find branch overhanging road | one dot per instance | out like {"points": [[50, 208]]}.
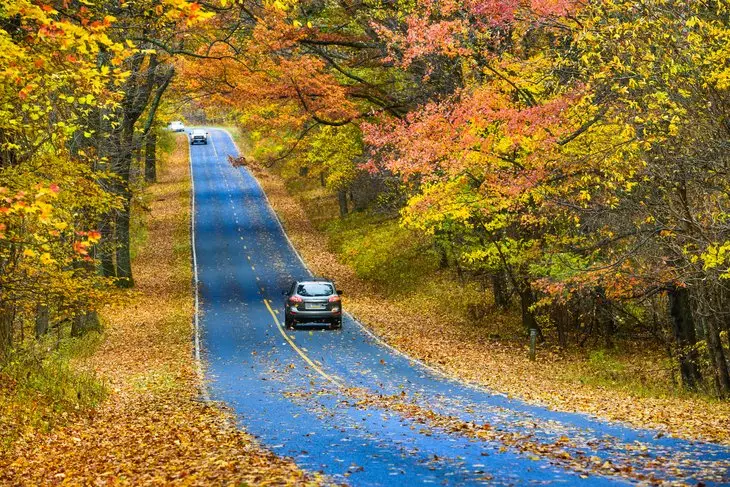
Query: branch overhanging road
{"points": [[342, 403]]}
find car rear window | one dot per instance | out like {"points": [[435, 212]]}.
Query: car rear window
{"points": [[315, 289]]}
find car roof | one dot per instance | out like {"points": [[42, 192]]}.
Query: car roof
{"points": [[316, 280], [198, 131]]}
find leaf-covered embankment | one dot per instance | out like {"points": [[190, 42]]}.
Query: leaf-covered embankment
{"points": [[460, 347], [152, 428]]}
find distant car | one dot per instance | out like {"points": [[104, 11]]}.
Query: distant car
{"points": [[198, 136], [177, 126], [313, 300]]}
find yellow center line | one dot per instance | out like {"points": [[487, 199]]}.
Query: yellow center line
{"points": [[299, 350]]}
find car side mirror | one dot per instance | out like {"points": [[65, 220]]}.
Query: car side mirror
{"points": [[339, 292]]}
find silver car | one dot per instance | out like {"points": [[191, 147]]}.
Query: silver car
{"points": [[176, 126], [198, 136], [313, 300]]}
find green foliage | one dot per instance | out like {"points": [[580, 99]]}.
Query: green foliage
{"points": [[383, 251], [335, 151]]}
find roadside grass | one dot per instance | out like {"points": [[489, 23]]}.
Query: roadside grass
{"points": [[146, 424], [40, 388], [383, 252], [392, 284]]}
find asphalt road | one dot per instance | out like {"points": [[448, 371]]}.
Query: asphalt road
{"points": [[333, 400]]}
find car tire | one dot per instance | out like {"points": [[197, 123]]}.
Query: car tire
{"points": [[288, 323], [336, 324]]}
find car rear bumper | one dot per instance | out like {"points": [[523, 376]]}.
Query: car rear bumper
{"points": [[314, 315]]}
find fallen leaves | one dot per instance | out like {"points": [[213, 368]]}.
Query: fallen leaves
{"points": [[584, 451], [153, 429]]}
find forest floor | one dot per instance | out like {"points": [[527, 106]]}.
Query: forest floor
{"points": [[152, 428], [635, 388]]}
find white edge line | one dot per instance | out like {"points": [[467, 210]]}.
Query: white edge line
{"points": [[372, 335], [196, 317], [215, 151]]}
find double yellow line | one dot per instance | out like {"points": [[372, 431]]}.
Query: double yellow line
{"points": [[301, 353]]}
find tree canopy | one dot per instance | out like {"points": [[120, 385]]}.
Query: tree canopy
{"points": [[575, 152]]}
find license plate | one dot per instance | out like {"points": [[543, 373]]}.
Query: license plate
{"points": [[315, 306]]}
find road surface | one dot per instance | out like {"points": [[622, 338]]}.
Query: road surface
{"points": [[342, 403]]}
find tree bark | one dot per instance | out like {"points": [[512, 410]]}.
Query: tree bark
{"points": [[683, 329], [560, 315], [527, 299], [41, 320], [150, 157], [717, 355], [136, 97], [7, 316], [342, 200], [84, 322], [605, 317], [123, 249], [499, 290], [105, 251]]}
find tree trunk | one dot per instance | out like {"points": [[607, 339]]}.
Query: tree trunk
{"points": [[106, 249], [92, 321], [84, 322], [683, 329], [443, 255], [499, 290], [137, 92], [77, 324], [717, 356], [527, 299], [560, 315], [122, 165], [342, 200], [605, 317], [7, 316], [41, 320], [150, 157], [123, 250]]}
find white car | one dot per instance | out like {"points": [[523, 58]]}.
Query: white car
{"points": [[177, 126], [198, 136]]}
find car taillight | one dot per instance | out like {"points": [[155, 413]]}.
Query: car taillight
{"points": [[334, 299], [296, 299]]}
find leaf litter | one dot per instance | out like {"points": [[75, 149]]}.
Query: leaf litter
{"points": [[153, 429]]}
